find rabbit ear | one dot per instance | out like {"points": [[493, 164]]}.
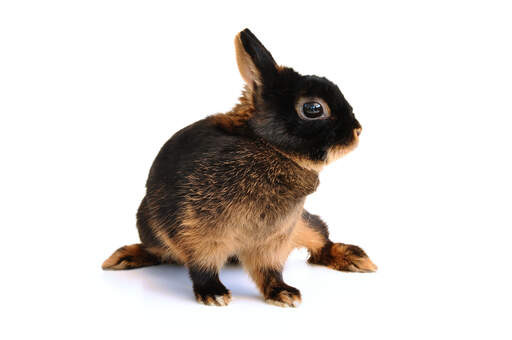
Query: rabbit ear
{"points": [[255, 62]]}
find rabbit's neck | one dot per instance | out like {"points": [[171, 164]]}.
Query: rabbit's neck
{"points": [[303, 162]]}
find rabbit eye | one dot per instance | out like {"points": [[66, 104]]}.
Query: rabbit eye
{"points": [[312, 108]]}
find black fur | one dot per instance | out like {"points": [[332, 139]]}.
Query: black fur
{"points": [[178, 158], [316, 223], [273, 285], [260, 55], [276, 119], [206, 283]]}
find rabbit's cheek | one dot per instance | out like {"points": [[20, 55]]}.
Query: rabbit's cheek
{"points": [[338, 151]]}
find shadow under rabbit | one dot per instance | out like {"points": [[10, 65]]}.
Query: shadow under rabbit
{"points": [[173, 280]]}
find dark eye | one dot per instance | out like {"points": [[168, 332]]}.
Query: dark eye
{"points": [[312, 109]]}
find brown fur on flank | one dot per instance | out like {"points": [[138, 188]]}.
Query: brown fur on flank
{"points": [[232, 187]]}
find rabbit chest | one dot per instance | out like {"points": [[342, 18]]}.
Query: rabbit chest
{"points": [[247, 192]]}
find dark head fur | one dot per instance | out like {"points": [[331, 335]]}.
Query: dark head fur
{"points": [[269, 107]]}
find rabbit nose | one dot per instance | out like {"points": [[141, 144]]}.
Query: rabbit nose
{"points": [[358, 131]]}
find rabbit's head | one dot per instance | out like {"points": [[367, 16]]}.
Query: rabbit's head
{"points": [[306, 117]]}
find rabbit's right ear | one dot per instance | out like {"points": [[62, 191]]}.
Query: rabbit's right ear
{"points": [[255, 62]]}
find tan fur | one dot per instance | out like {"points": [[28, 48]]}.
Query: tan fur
{"points": [[346, 260], [286, 299], [343, 257], [213, 228], [333, 154], [138, 255], [217, 300], [246, 67], [224, 300], [307, 163], [337, 152], [305, 236], [207, 238], [243, 111], [240, 232], [270, 253], [239, 115], [171, 249]]}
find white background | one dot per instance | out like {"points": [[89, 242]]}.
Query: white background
{"points": [[90, 90]]}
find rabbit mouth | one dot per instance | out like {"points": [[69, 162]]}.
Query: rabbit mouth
{"points": [[337, 151], [333, 153]]}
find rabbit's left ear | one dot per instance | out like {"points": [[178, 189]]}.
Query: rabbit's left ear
{"points": [[255, 62]]}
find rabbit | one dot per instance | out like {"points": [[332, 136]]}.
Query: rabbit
{"points": [[231, 187]]}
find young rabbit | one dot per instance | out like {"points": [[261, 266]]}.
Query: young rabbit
{"points": [[231, 187]]}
